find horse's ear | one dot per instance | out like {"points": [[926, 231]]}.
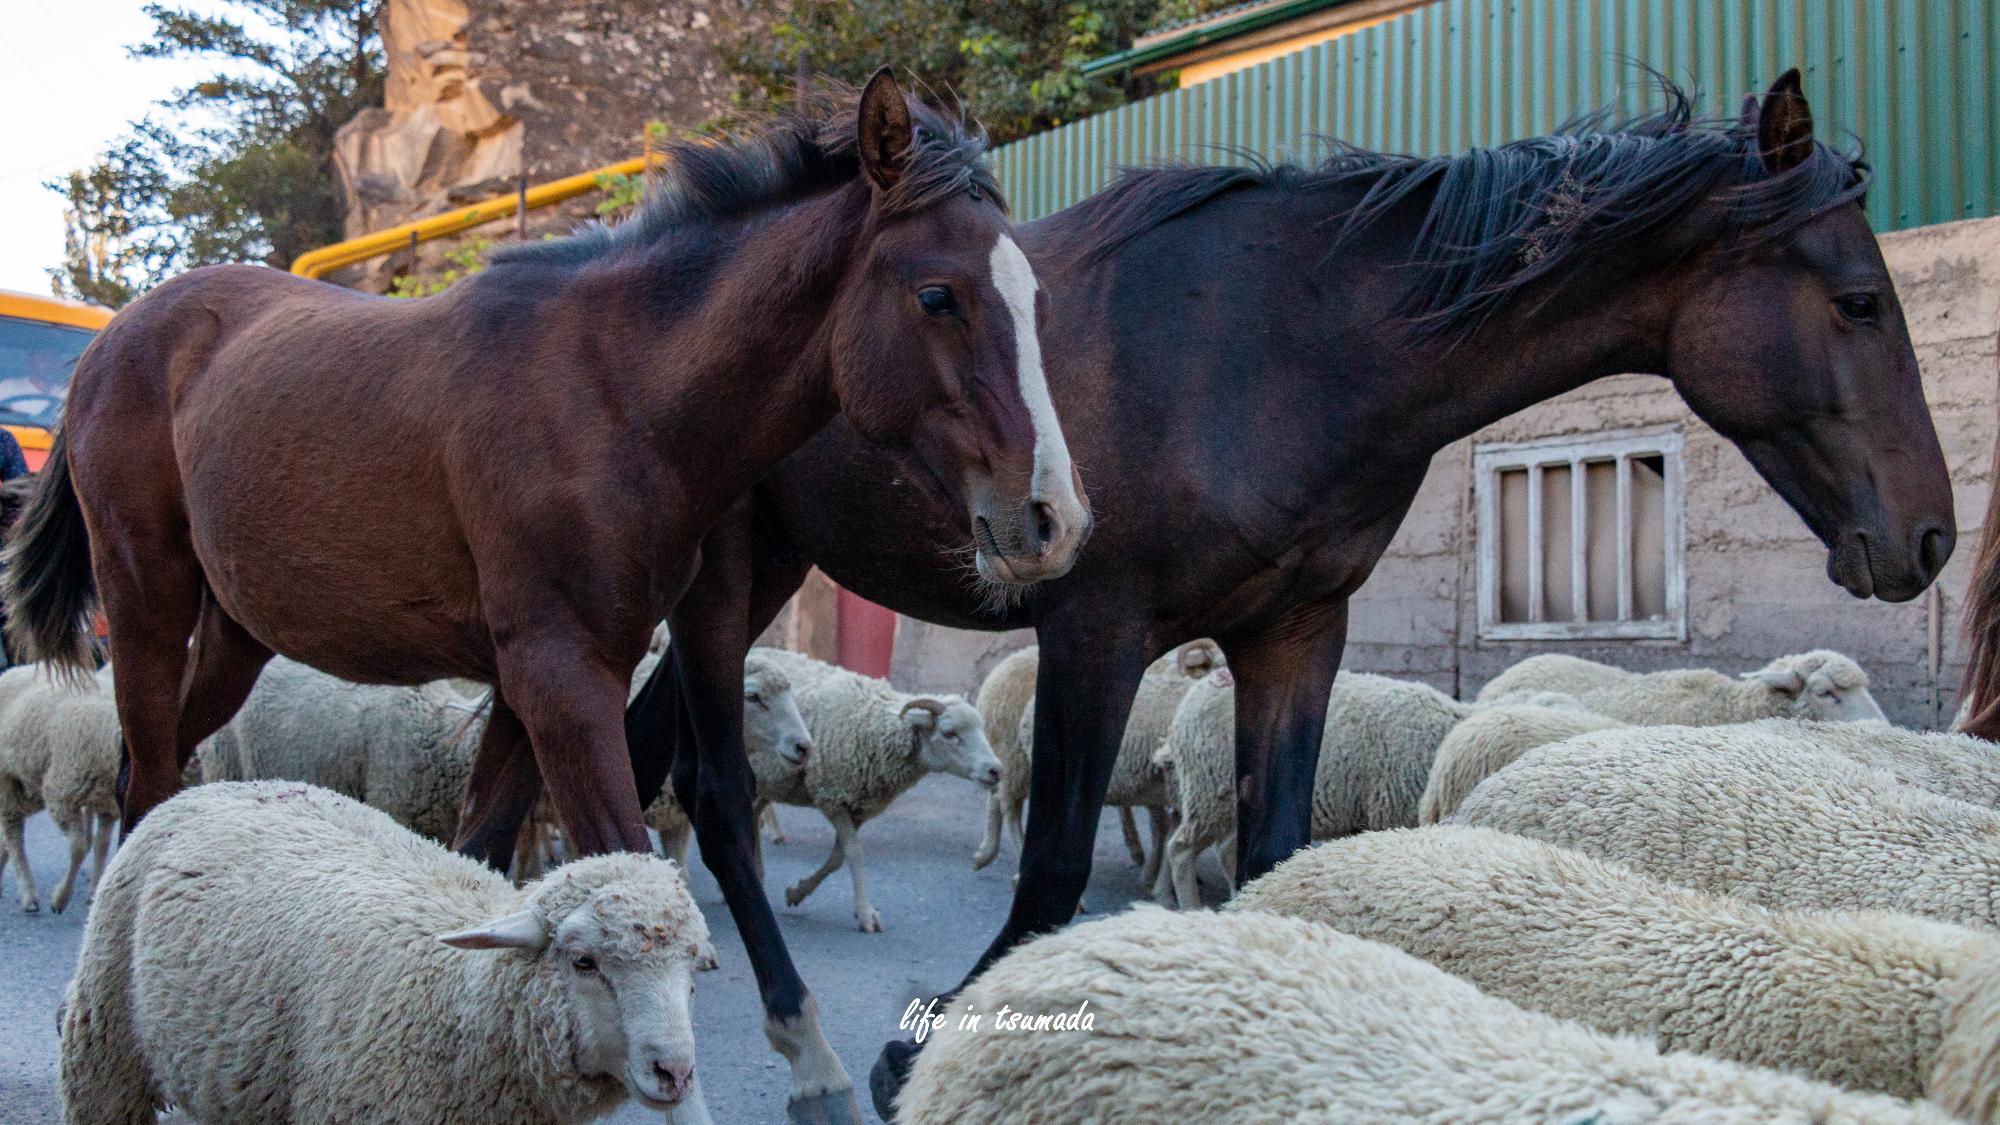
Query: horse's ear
{"points": [[1784, 125], [885, 132]]}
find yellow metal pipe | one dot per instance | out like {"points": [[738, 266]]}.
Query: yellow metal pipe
{"points": [[326, 259]]}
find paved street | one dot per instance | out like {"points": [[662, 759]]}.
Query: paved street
{"points": [[937, 911]]}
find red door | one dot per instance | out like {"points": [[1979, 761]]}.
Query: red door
{"points": [[864, 635]]}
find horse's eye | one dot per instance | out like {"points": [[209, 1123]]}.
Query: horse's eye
{"points": [[937, 300], [584, 963], [1857, 307]]}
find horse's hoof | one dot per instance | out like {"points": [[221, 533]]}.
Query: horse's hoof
{"points": [[886, 1077], [835, 1107]]}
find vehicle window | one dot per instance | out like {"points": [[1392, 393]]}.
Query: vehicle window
{"points": [[36, 359]]}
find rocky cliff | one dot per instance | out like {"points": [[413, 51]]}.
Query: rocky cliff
{"points": [[482, 92]]}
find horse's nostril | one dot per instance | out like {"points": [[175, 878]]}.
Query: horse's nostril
{"points": [[1933, 551], [1045, 523]]}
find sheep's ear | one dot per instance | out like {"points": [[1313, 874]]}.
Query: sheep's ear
{"points": [[1785, 680], [522, 930], [922, 714]]}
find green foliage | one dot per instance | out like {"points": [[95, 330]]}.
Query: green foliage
{"points": [[1017, 65], [464, 260], [246, 173]]}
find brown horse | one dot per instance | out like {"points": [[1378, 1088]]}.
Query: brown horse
{"points": [[510, 481]]}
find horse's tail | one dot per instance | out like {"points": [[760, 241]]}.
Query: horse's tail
{"points": [[50, 592]]}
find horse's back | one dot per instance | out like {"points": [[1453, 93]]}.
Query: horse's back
{"points": [[281, 428]]}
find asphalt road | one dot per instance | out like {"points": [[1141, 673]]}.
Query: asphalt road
{"points": [[937, 912]]}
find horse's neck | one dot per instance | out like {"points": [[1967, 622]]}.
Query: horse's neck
{"points": [[1518, 360], [746, 371]]}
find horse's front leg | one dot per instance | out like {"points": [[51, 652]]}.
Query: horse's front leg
{"points": [[571, 701], [712, 778], [1283, 677], [731, 549], [1083, 693]]}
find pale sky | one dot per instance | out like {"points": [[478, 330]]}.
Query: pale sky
{"points": [[67, 90]]}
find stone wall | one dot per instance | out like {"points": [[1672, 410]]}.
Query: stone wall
{"points": [[1756, 578], [483, 92]]}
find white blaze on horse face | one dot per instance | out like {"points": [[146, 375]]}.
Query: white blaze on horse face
{"points": [[1054, 484]]}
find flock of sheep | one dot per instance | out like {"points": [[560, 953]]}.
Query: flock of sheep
{"points": [[1588, 895]]}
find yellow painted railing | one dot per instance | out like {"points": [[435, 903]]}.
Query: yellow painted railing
{"points": [[326, 259]]}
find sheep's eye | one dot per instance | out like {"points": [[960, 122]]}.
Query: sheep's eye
{"points": [[752, 698], [951, 736], [583, 963], [1857, 307], [937, 300]]}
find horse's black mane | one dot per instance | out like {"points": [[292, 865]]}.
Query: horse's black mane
{"points": [[791, 155], [1500, 219]]}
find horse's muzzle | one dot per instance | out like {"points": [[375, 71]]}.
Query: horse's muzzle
{"points": [[1865, 566], [1037, 541]]}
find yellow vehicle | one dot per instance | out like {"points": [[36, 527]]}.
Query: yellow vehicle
{"points": [[40, 340]]}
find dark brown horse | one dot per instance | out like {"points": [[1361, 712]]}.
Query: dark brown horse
{"points": [[1256, 367], [510, 481]]}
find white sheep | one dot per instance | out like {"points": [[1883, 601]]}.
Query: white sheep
{"points": [[1374, 760], [1863, 1000], [1756, 815], [1200, 1016], [870, 743], [1137, 781], [59, 751], [774, 733], [404, 750], [273, 951], [1002, 699], [1811, 685], [1491, 737], [1950, 765]]}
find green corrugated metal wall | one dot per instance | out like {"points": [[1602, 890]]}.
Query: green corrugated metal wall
{"points": [[1917, 80]]}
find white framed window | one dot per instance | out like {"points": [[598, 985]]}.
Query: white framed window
{"points": [[1582, 537]]}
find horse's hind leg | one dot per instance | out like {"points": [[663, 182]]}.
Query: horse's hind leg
{"points": [[151, 586], [222, 670], [501, 790]]}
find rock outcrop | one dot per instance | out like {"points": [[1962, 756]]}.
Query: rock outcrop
{"points": [[482, 92]]}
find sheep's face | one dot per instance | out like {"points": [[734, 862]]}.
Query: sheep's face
{"points": [[634, 1008], [620, 957], [950, 737], [1823, 686], [771, 719]]}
